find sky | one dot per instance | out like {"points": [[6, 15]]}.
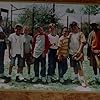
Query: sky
{"points": [[60, 11]]}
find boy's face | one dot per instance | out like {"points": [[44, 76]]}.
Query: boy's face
{"points": [[26, 31], [18, 30], [52, 28], [40, 30], [65, 32], [75, 29]]}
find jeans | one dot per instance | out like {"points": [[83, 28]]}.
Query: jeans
{"points": [[52, 61], [43, 66], [2, 52], [62, 67]]}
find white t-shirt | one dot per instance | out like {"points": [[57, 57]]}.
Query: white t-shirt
{"points": [[75, 40], [39, 46], [17, 44], [28, 45], [54, 41]]}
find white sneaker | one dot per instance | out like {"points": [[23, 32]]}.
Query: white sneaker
{"points": [[49, 79], [44, 79], [2, 80], [35, 79], [61, 80], [54, 77], [83, 84], [21, 77]]}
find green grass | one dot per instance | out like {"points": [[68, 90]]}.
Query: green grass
{"points": [[88, 72]]}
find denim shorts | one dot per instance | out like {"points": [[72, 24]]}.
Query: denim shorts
{"points": [[20, 61]]}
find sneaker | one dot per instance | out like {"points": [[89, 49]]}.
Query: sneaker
{"points": [[20, 78], [35, 79], [49, 79], [61, 80], [43, 79], [7, 80], [54, 78], [83, 84]]}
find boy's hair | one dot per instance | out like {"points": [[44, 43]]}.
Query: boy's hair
{"points": [[74, 24], [18, 25], [64, 28], [52, 25]]}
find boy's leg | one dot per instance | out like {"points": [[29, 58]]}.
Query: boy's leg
{"points": [[2, 52], [43, 68], [74, 65], [36, 70], [60, 70], [12, 63], [54, 61], [95, 72], [50, 65], [81, 74], [20, 63], [62, 66], [28, 67]]}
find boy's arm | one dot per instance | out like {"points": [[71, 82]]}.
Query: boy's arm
{"points": [[47, 44], [33, 43], [9, 48], [82, 43]]}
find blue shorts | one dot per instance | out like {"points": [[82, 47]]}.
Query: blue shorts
{"points": [[20, 61]]}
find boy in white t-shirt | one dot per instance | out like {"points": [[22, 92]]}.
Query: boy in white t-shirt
{"points": [[16, 44], [53, 38], [27, 47], [76, 45]]}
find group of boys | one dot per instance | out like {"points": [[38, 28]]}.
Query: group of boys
{"points": [[69, 45]]}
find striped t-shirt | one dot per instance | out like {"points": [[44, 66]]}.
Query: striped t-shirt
{"points": [[63, 46]]}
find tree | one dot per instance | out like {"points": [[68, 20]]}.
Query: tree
{"points": [[42, 16], [90, 10]]}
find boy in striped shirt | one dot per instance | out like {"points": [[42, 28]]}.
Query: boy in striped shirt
{"points": [[62, 53]]}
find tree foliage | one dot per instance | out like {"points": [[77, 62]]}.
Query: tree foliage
{"points": [[42, 16], [91, 9]]}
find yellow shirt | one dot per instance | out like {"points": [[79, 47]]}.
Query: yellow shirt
{"points": [[63, 46]]}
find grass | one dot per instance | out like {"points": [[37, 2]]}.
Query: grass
{"points": [[52, 86]]}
